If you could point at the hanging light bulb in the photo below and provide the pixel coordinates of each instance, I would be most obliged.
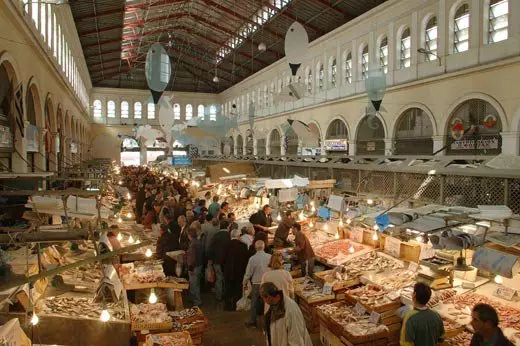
(376, 227)
(130, 240)
(313, 209)
(312, 203)
(119, 237)
(336, 235)
(137, 242)
(262, 47)
(370, 201)
(341, 222)
(105, 316)
(119, 219)
(351, 249)
(148, 253)
(34, 319)
(120, 182)
(375, 237)
(129, 215)
(128, 196)
(349, 221)
(279, 217)
(216, 79)
(311, 224)
(498, 279)
(326, 227)
(302, 217)
(152, 299)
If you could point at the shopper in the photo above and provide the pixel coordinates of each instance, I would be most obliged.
(304, 251)
(484, 320)
(216, 253)
(247, 236)
(283, 230)
(257, 266)
(422, 326)
(167, 242)
(173, 227)
(231, 217)
(259, 236)
(234, 265)
(262, 220)
(284, 321)
(195, 264)
(224, 208)
(214, 207)
(152, 216)
(200, 207)
(209, 229)
(139, 203)
(278, 275)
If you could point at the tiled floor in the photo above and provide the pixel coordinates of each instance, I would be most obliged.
(227, 328)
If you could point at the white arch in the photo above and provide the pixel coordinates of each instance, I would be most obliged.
(476, 95)
(400, 112)
(337, 117)
(5, 56)
(358, 122)
(422, 28)
(39, 101)
(451, 22)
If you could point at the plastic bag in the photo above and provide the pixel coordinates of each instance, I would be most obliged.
(244, 303)
(210, 274)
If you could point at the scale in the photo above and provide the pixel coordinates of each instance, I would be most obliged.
(437, 272)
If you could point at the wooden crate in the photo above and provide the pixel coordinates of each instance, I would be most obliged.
(186, 335)
(388, 308)
(310, 313)
(409, 252)
(138, 326)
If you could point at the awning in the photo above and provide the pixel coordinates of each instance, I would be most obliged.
(215, 172)
(494, 261)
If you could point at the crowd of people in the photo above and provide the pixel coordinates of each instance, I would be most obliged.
(232, 261)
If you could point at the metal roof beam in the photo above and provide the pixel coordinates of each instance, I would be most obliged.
(333, 7)
(293, 17)
(128, 8)
(105, 29)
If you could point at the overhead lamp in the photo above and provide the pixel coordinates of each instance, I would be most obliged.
(105, 316)
(216, 79)
(311, 225)
(152, 299)
(120, 182)
(131, 240)
(119, 237)
(428, 53)
(370, 201)
(137, 242)
(375, 237)
(376, 227)
(432, 172)
(336, 235)
(262, 47)
(499, 279)
(341, 222)
(34, 319)
(129, 215)
(313, 209)
(119, 219)
(148, 253)
(301, 216)
(279, 217)
(325, 227)
(226, 170)
(461, 265)
(349, 221)
(351, 249)
(128, 196)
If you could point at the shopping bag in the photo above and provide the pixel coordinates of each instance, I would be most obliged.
(244, 303)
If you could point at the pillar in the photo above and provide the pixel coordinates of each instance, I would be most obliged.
(510, 143)
(438, 144)
(282, 146)
(255, 146)
(389, 146)
(352, 148)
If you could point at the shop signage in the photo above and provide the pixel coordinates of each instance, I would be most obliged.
(6, 138)
(336, 144)
(181, 161)
(371, 146)
(360, 310)
(31, 139)
(471, 144)
(308, 151)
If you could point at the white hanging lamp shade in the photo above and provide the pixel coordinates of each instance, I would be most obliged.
(296, 45)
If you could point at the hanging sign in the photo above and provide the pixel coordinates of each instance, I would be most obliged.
(336, 144)
(471, 144)
(393, 246)
(181, 161)
(288, 195)
(32, 144)
(335, 202)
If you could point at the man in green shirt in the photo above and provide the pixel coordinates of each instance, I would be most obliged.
(214, 207)
(421, 326)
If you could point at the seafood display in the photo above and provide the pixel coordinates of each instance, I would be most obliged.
(244, 209)
(450, 326)
(170, 339)
(462, 339)
(317, 237)
(142, 273)
(509, 317)
(352, 322)
(81, 307)
(310, 289)
(338, 251)
(436, 298)
(186, 313)
(397, 280)
(87, 273)
(372, 295)
(149, 313)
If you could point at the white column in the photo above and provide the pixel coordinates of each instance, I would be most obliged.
(352, 148)
(255, 148)
(282, 146)
(389, 146)
(475, 35)
(442, 17)
(514, 19)
(510, 143)
(438, 144)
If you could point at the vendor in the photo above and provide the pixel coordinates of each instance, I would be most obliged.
(262, 220)
(303, 250)
(167, 242)
(152, 216)
(112, 237)
(283, 230)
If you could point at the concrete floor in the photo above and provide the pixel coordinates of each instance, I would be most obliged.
(227, 328)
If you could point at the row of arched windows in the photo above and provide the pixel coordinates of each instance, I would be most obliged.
(496, 25)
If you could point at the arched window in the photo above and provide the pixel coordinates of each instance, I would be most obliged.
(461, 29)
(405, 51)
(98, 109)
(138, 110)
(498, 21)
(383, 54)
(333, 71)
(430, 39)
(111, 109)
(189, 112)
(320, 76)
(370, 136)
(177, 111)
(275, 143)
(151, 110)
(414, 133)
(347, 68)
(200, 112)
(212, 113)
(474, 129)
(124, 109)
(309, 80)
(336, 139)
(364, 62)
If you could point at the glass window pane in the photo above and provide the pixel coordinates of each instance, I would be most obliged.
(189, 112)
(151, 111)
(177, 111)
(111, 109)
(124, 109)
(138, 110)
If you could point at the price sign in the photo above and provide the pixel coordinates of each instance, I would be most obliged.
(393, 246)
(360, 310)
(504, 292)
(393, 295)
(427, 251)
(357, 235)
(374, 317)
(327, 288)
(287, 267)
(413, 267)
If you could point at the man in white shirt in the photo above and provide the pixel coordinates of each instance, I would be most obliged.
(256, 268)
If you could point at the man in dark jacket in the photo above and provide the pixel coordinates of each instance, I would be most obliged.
(235, 263)
(216, 253)
(183, 237)
(484, 320)
(139, 203)
(262, 220)
(167, 242)
(195, 261)
(304, 251)
(284, 228)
